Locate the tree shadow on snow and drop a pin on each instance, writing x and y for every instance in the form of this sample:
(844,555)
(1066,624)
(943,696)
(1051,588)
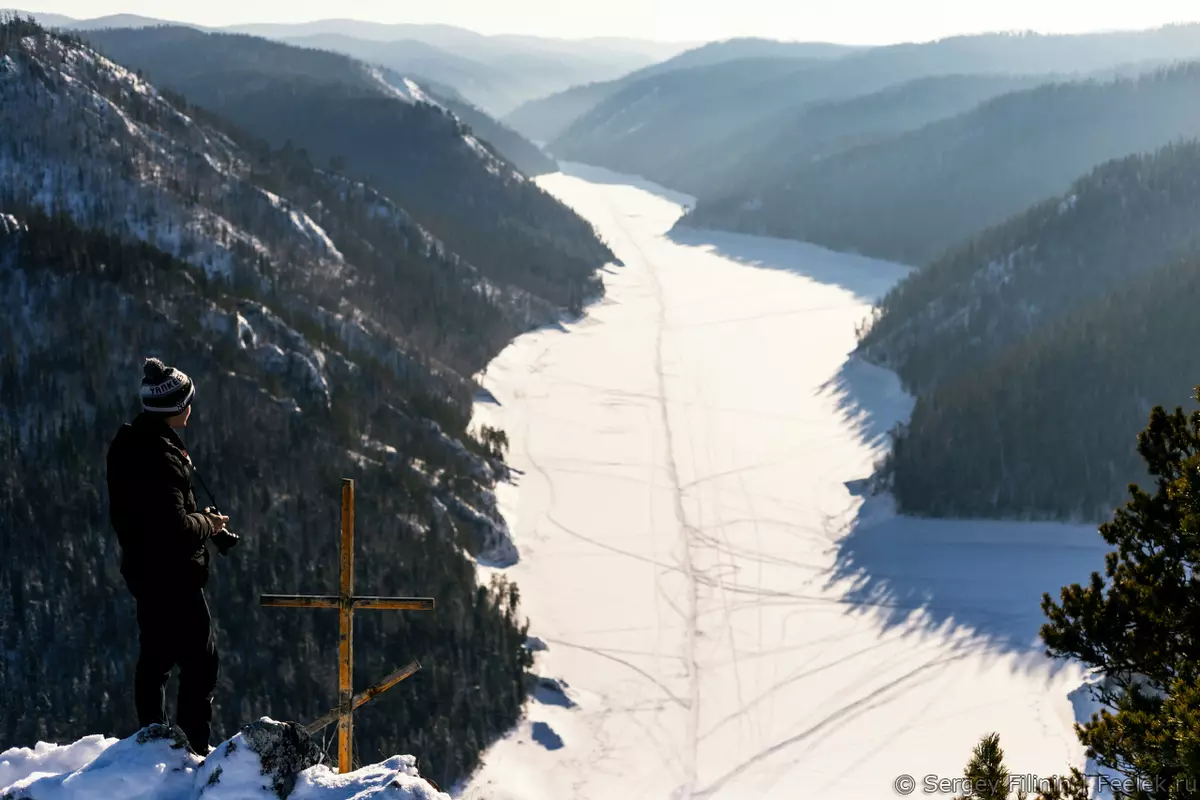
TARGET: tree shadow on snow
(867,279)
(870,399)
(983,579)
(544,735)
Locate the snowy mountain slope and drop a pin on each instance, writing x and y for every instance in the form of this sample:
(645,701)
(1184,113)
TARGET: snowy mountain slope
(340,112)
(86,136)
(82,136)
(727,614)
(154,765)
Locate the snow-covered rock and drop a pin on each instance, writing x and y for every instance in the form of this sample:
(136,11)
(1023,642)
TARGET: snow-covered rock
(266,760)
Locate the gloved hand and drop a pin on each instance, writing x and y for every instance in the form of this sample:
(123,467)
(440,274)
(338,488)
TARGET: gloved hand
(225,540)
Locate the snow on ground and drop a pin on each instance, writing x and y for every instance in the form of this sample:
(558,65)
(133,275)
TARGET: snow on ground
(726,616)
(151,765)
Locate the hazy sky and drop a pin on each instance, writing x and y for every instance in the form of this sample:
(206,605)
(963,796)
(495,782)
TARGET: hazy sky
(853,21)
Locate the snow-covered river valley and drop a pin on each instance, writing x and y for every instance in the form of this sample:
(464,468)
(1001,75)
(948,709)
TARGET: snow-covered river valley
(730,619)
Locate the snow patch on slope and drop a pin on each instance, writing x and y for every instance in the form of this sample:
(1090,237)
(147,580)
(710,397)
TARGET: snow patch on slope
(404,88)
(306,226)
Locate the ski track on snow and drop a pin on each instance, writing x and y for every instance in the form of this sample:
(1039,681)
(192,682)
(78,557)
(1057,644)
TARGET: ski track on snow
(730,620)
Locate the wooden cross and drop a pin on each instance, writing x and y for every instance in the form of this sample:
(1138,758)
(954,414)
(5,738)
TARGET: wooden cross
(346,603)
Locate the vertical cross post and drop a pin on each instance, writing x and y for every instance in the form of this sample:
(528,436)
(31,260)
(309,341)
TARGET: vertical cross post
(346,633)
(345,602)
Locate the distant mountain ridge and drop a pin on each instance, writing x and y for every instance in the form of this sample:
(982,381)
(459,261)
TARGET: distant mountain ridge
(733,170)
(911,197)
(694,110)
(546,118)
(496,73)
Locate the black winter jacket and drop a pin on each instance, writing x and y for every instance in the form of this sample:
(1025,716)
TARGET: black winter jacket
(153,510)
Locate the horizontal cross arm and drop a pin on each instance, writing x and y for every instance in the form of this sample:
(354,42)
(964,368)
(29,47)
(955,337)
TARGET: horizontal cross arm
(299,601)
(332,601)
(365,695)
(395,603)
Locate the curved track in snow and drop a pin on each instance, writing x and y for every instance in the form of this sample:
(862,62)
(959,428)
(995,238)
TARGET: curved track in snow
(731,620)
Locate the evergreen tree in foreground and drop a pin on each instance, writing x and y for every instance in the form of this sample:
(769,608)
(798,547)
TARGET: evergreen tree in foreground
(1139,625)
(987,778)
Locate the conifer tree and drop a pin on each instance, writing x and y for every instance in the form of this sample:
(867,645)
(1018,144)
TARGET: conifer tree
(1074,787)
(1138,626)
(986,776)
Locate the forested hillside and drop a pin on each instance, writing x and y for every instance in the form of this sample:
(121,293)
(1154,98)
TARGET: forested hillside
(916,195)
(664,129)
(543,119)
(1125,217)
(343,113)
(524,154)
(654,124)
(91,309)
(1036,349)
(1049,427)
(796,138)
(330,336)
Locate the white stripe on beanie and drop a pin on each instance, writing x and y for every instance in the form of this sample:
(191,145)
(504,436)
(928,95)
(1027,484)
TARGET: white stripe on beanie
(175,409)
(165,390)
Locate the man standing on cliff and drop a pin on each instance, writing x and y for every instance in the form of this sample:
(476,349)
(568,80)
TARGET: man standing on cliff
(164,559)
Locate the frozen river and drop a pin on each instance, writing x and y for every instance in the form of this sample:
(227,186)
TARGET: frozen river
(731,620)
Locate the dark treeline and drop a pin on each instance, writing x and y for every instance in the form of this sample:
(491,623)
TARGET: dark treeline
(69,376)
(1038,350)
(1049,428)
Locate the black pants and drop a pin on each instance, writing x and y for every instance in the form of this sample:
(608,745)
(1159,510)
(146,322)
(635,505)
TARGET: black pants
(176,630)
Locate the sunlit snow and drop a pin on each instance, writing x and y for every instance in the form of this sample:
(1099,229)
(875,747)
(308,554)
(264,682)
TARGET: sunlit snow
(727,615)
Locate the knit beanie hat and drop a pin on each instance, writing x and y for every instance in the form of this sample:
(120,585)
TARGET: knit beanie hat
(165,390)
